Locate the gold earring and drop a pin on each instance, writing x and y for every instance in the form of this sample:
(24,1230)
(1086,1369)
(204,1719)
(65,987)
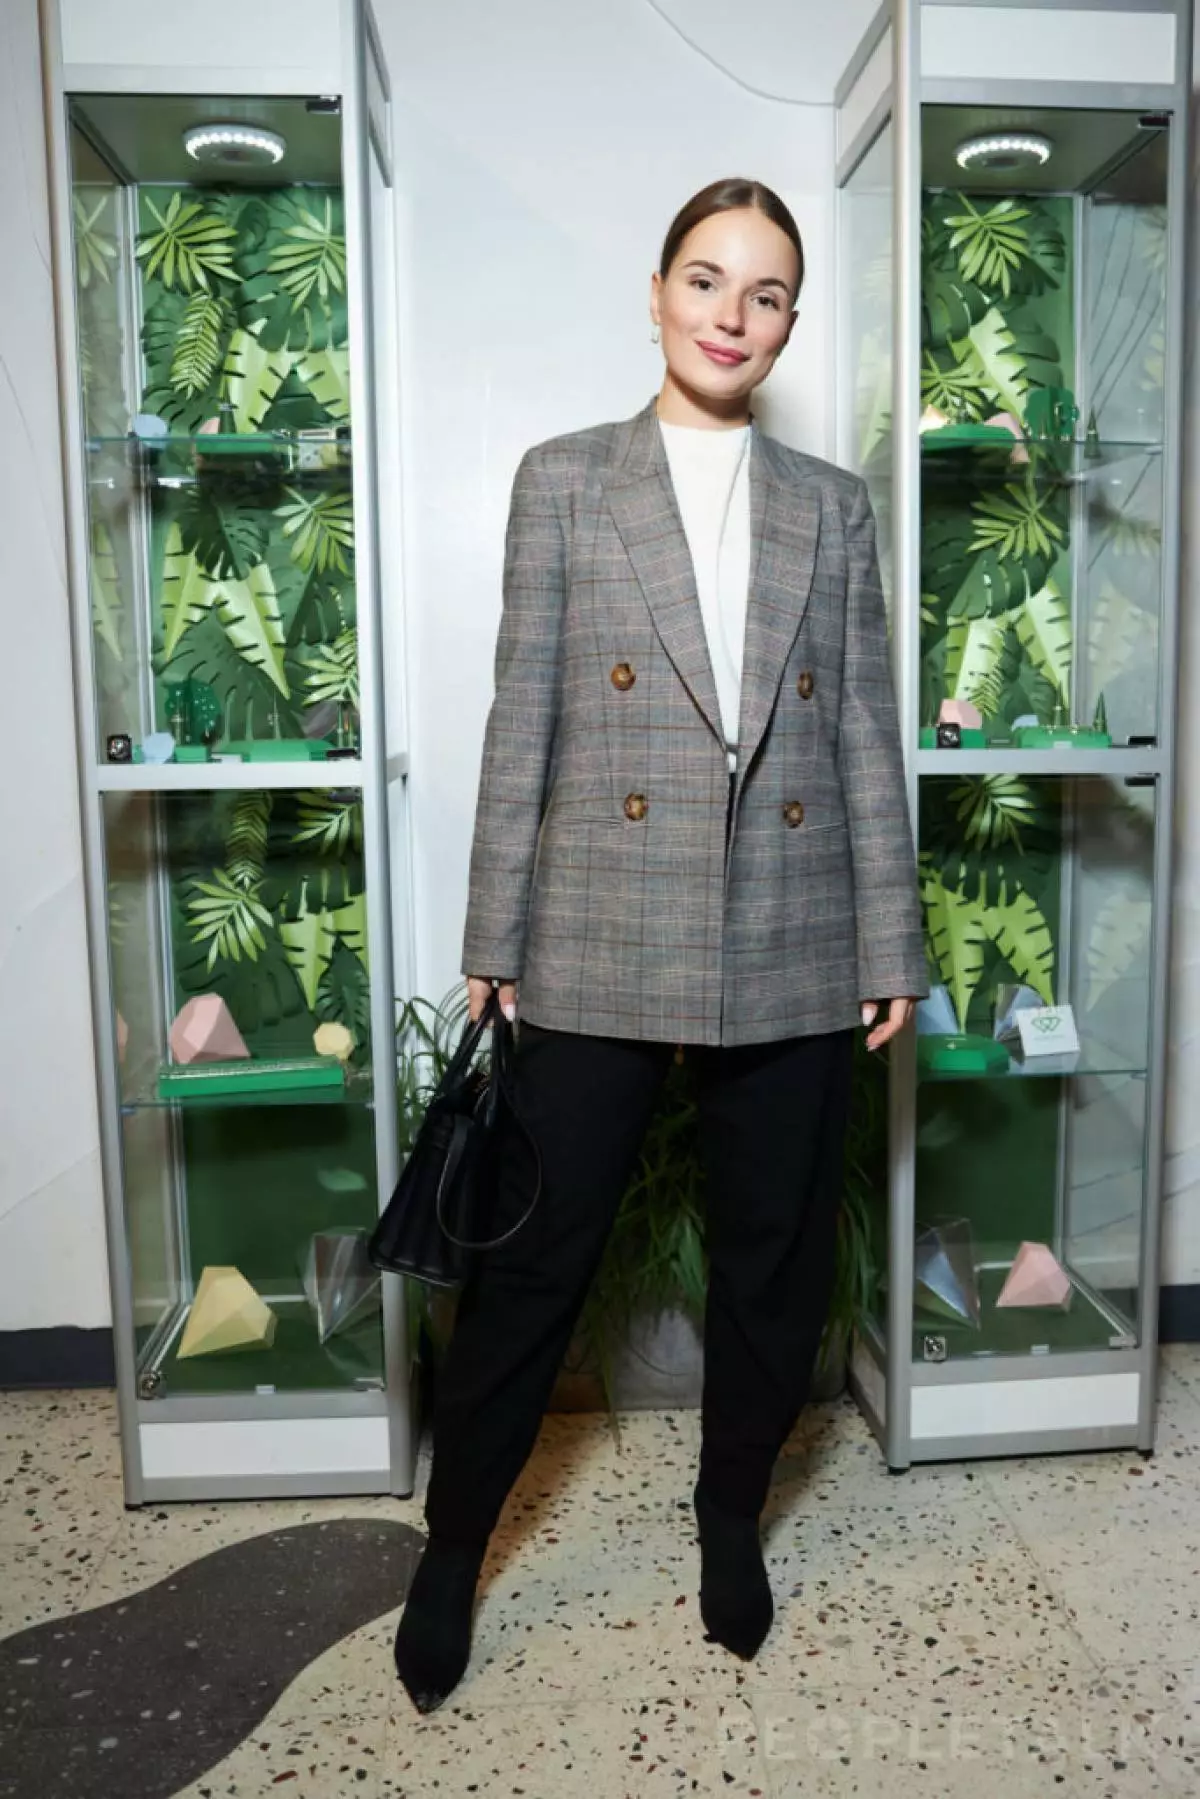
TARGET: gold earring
(654,334)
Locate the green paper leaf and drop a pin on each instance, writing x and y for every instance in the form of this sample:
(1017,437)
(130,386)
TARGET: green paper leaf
(187,593)
(333,671)
(350,923)
(974,656)
(197,352)
(1016,926)
(989,587)
(253,377)
(326,374)
(991,243)
(249,614)
(1044,628)
(311,256)
(228,917)
(321,527)
(227,535)
(334,825)
(1002,373)
(308,943)
(190,246)
(955,925)
(246,846)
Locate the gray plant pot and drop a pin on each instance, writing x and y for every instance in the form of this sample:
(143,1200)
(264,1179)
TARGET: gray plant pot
(661,1364)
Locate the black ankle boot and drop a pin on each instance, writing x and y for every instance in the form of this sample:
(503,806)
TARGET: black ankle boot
(433,1639)
(735,1594)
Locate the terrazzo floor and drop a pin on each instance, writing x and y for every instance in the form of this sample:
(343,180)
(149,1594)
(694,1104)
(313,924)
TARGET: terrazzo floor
(1011,1628)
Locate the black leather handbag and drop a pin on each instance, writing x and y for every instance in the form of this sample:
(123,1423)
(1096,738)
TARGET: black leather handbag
(445,1200)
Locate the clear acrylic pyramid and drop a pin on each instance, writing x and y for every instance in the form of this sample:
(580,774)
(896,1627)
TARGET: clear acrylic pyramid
(340,1283)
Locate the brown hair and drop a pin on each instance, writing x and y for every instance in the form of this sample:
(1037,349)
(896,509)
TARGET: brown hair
(724,196)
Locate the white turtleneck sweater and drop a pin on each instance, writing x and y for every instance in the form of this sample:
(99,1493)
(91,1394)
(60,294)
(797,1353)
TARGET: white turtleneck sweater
(710,472)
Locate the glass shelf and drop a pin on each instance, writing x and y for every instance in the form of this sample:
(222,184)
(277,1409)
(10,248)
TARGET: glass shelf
(1093,1059)
(296,1361)
(1017,1330)
(261,457)
(145,1097)
(1066,462)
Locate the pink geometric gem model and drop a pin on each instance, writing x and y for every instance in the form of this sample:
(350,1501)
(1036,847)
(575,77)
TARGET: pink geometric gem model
(960,712)
(204,1031)
(1006,422)
(1036,1278)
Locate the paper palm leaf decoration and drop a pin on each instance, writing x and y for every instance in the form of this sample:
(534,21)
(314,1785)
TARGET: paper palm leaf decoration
(227,917)
(190,247)
(990,244)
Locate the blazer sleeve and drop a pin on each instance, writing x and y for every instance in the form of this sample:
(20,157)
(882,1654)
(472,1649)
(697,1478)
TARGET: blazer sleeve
(891,947)
(519,734)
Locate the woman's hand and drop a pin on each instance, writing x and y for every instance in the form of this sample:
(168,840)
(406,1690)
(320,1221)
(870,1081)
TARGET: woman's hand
(479,988)
(899,1013)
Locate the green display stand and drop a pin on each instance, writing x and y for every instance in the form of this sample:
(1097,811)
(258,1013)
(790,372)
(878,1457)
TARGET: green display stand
(965,1054)
(970,739)
(279,749)
(194,1080)
(959,437)
(192,752)
(233,446)
(1052,737)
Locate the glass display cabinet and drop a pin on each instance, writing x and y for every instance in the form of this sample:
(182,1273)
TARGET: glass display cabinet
(224,277)
(1011,196)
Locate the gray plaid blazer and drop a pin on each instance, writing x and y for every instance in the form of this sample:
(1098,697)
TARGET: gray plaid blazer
(600,875)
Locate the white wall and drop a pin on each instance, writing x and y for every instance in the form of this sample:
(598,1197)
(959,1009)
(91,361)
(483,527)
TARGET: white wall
(52,1260)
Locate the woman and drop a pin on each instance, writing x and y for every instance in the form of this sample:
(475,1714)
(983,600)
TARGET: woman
(692,829)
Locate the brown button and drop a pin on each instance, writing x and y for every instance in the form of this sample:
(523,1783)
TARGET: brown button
(804,686)
(635,805)
(793,812)
(623,676)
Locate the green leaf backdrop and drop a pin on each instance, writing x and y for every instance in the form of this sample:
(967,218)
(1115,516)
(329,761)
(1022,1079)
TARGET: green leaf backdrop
(995,585)
(244,305)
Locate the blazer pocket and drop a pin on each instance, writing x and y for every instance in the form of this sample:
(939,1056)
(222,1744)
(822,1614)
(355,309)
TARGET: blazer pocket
(590,805)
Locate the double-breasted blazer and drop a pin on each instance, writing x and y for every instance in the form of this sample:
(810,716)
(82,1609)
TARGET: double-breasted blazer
(601,874)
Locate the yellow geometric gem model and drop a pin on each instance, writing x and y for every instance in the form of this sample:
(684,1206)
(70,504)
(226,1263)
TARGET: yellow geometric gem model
(333,1040)
(226,1314)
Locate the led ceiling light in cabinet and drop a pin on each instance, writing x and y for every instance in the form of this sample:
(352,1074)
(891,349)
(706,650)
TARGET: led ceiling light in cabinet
(1004,151)
(234,145)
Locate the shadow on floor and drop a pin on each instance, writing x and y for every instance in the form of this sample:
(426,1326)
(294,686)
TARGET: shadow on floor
(138,1698)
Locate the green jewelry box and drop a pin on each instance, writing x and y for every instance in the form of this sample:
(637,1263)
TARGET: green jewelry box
(268,1074)
(969,739)
(1049,737)
(278,749)
(964,1054)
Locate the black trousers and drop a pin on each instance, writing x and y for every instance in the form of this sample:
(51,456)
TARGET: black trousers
(772,1120)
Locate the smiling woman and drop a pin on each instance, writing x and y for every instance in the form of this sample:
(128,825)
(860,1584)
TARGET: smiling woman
(693,625)
(728,305)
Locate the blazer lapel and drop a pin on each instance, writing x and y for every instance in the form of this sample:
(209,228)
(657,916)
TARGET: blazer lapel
(784,527)
(785,524)
(641,498)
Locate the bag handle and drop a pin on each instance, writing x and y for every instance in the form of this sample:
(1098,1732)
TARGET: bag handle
(502,1081)
(469,1041)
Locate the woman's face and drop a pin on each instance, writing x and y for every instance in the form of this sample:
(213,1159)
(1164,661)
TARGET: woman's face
(729,289)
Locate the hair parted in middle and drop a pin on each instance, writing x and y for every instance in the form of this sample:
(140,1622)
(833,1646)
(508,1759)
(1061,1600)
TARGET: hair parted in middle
(731,192)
